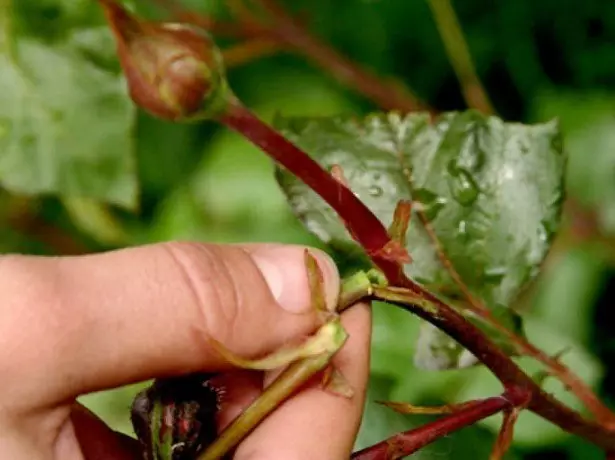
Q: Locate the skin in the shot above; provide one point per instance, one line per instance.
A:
(73, 325)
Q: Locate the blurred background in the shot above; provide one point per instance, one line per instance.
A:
(81, 143)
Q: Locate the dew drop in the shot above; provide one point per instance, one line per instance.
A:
(429, 203)
(549, 227)
(494, 275)
(462, 185)
(473, 155)
(544, 233)
(432, 211)
(375, 191)
(424, 196)
(462, 230)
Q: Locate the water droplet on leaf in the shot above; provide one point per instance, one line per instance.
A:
(429, 203)
(549, 228)
(375, 191)
(462, 230)
(494, 275)
(463, 186)
(432, 211)
(544, 232)
(473, 155)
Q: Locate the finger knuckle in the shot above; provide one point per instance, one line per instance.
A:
(213, 286)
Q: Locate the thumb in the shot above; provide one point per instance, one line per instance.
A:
(86, 323)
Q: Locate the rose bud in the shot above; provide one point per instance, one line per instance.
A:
(174, 71)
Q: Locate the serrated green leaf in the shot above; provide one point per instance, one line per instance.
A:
(65, 119)
(492, 192)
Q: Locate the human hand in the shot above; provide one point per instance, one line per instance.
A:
(73, 325)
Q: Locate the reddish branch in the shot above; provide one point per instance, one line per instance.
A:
(406, 443)
(505, 437)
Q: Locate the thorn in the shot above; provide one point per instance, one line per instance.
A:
(505, 437)
(410, 409)
(560, 354)
(395, 250)
(334, 382)
(394, 448)
(401, 221)
(338, 174)
(540, 377)
(316, 283)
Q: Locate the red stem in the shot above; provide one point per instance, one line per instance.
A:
(408, 442)
(509, 374)
(364, 226)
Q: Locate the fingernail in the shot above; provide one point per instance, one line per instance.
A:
(283, 268)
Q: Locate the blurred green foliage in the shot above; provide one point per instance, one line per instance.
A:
(62, 109)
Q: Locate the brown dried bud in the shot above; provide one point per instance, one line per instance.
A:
(173, 71)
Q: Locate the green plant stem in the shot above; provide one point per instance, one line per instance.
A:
(371, 234)
(459, 55)
(293, 378)
(353, 289)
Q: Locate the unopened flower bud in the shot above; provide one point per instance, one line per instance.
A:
(174, 71)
